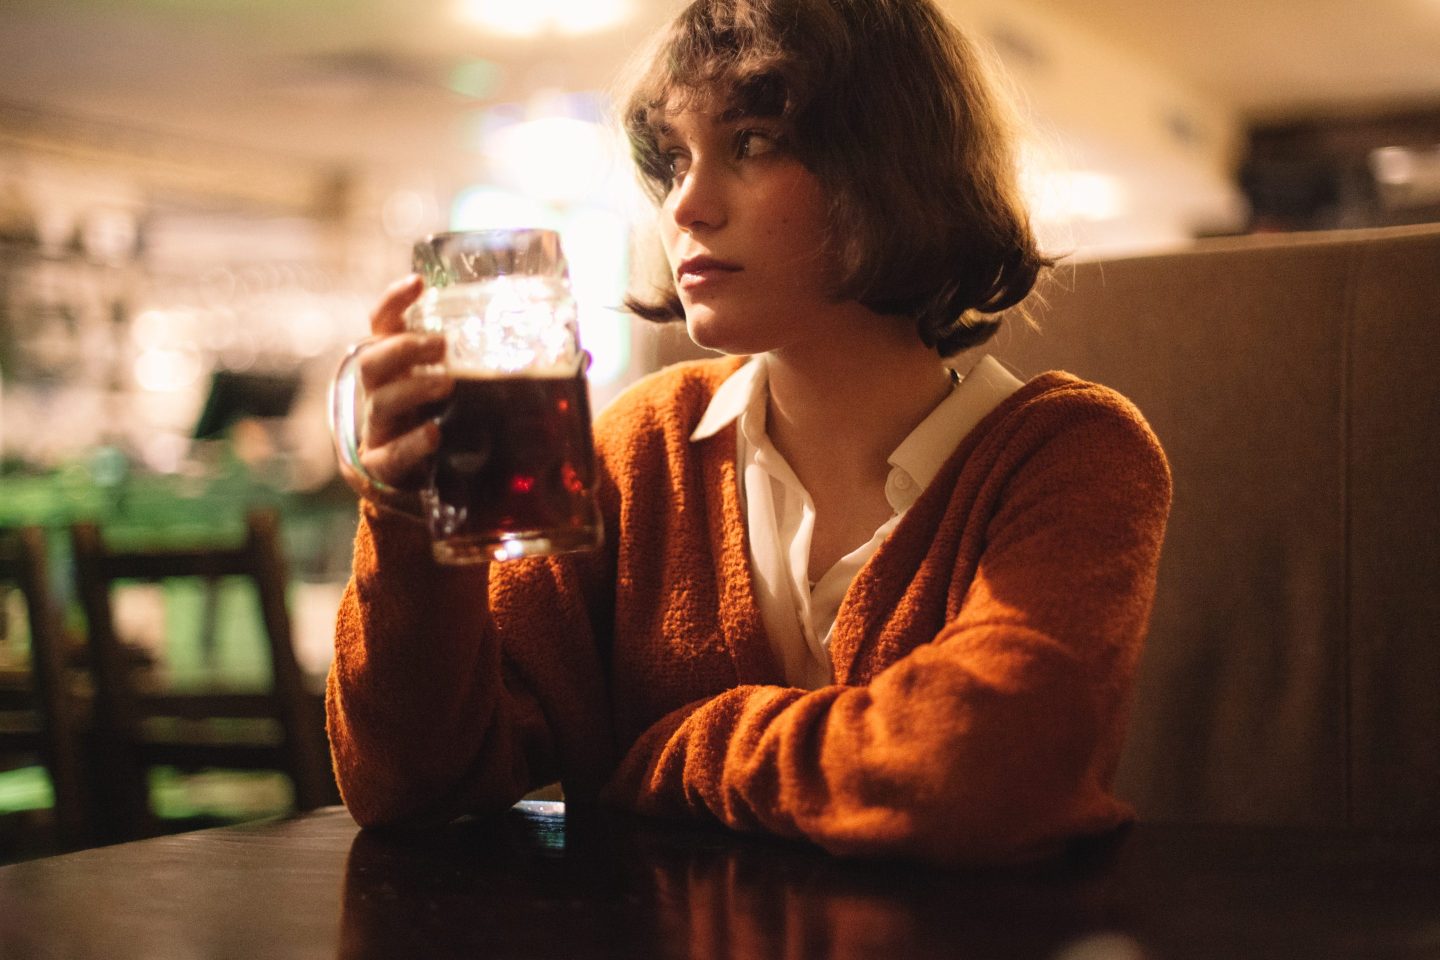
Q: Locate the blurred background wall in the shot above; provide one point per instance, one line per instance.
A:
(199, 199)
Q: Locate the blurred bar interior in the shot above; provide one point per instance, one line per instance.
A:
(200, 200)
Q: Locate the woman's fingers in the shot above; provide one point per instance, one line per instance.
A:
(389, 315)
(397, 406)
(397, 373)
(398, 462)
(394, 357)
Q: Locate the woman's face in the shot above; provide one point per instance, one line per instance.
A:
(744, 226)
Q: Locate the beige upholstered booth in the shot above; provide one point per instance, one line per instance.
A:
(1293, 667)
(1292, 673)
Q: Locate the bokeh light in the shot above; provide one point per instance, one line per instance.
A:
(534, 17)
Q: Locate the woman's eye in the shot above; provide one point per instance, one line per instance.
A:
(755, 143)
(676, 164)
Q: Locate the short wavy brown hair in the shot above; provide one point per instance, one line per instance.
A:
(889, 105)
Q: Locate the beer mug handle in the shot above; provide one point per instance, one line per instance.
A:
(347, 410)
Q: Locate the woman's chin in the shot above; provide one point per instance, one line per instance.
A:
(709, 332)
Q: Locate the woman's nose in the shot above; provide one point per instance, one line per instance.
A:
(697, 200)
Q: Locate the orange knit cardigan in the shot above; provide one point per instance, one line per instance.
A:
(983, 658)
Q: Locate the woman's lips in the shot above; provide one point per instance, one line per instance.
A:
(700, 272)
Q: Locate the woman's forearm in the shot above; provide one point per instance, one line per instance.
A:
(422, 726)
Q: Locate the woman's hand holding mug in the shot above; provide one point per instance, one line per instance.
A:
(468, 407)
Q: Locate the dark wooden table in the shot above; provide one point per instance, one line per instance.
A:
(539, 884)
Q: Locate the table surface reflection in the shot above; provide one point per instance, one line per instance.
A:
(539, 883)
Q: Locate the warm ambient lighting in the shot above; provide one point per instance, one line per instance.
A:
(1393, 165)
(530, 18)
(555, 159)
(596, 243)
(1075, 195)
(1407, 177)
(491, 208)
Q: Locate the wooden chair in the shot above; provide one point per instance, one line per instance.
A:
(40, 717)
(137, 728)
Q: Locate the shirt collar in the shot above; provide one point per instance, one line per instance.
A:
(920, 455)
(929, 445)
(733, 397)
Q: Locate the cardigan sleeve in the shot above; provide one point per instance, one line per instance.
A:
(441, 701)
(995, 741)
(456, 690)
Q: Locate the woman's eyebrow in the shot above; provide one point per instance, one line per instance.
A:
(735, 115)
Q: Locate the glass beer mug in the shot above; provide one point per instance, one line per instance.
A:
(514, 475)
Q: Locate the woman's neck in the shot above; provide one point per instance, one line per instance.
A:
(838, 409)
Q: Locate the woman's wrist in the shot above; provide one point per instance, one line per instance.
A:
(394, 533)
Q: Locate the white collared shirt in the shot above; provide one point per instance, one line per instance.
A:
(798, 613)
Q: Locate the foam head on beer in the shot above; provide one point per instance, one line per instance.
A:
(505, 327)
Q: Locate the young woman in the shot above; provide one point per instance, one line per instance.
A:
(845, 595)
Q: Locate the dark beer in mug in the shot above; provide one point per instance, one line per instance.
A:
(514, 475)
